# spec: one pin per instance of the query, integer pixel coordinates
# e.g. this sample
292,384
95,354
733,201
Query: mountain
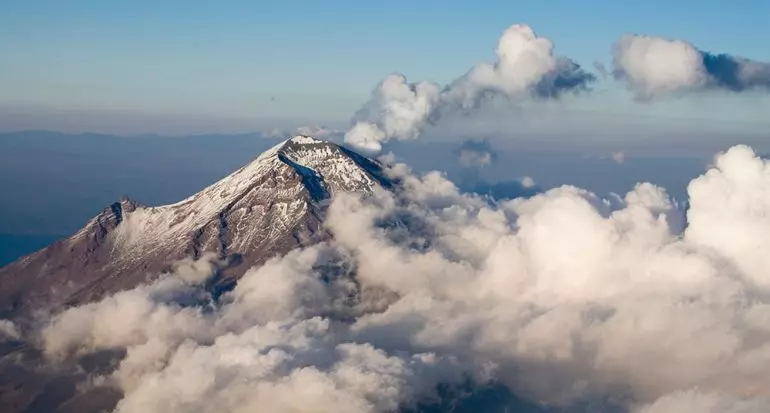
270,206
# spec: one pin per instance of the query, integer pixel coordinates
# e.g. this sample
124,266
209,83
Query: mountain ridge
266,208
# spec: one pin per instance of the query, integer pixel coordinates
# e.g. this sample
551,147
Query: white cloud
161,311
654,67
365,137
562,297
525,67
397,109
590,298
523,59
729,212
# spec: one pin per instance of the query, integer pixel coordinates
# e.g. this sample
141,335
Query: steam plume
525,67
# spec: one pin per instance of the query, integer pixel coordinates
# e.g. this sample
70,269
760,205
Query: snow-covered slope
267,207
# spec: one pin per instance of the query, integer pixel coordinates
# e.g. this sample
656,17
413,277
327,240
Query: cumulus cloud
475,153
654,67
571,297
277,343
564,298
525,67
397,109
525,64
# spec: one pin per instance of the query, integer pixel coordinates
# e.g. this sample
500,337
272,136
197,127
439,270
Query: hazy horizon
520,207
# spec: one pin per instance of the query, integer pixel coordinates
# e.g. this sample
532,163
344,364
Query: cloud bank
525,67
654,67
566,299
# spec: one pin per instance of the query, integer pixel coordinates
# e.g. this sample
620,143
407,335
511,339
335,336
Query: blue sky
316,61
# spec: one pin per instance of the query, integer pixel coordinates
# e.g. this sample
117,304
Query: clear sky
220,61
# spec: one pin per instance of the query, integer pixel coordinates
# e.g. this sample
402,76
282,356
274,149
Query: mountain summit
266,208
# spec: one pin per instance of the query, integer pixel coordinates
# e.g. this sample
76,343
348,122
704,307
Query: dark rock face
266,208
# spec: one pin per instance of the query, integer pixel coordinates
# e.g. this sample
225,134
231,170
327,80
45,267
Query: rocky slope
267,207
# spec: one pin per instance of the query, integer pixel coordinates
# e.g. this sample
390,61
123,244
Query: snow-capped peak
267,207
